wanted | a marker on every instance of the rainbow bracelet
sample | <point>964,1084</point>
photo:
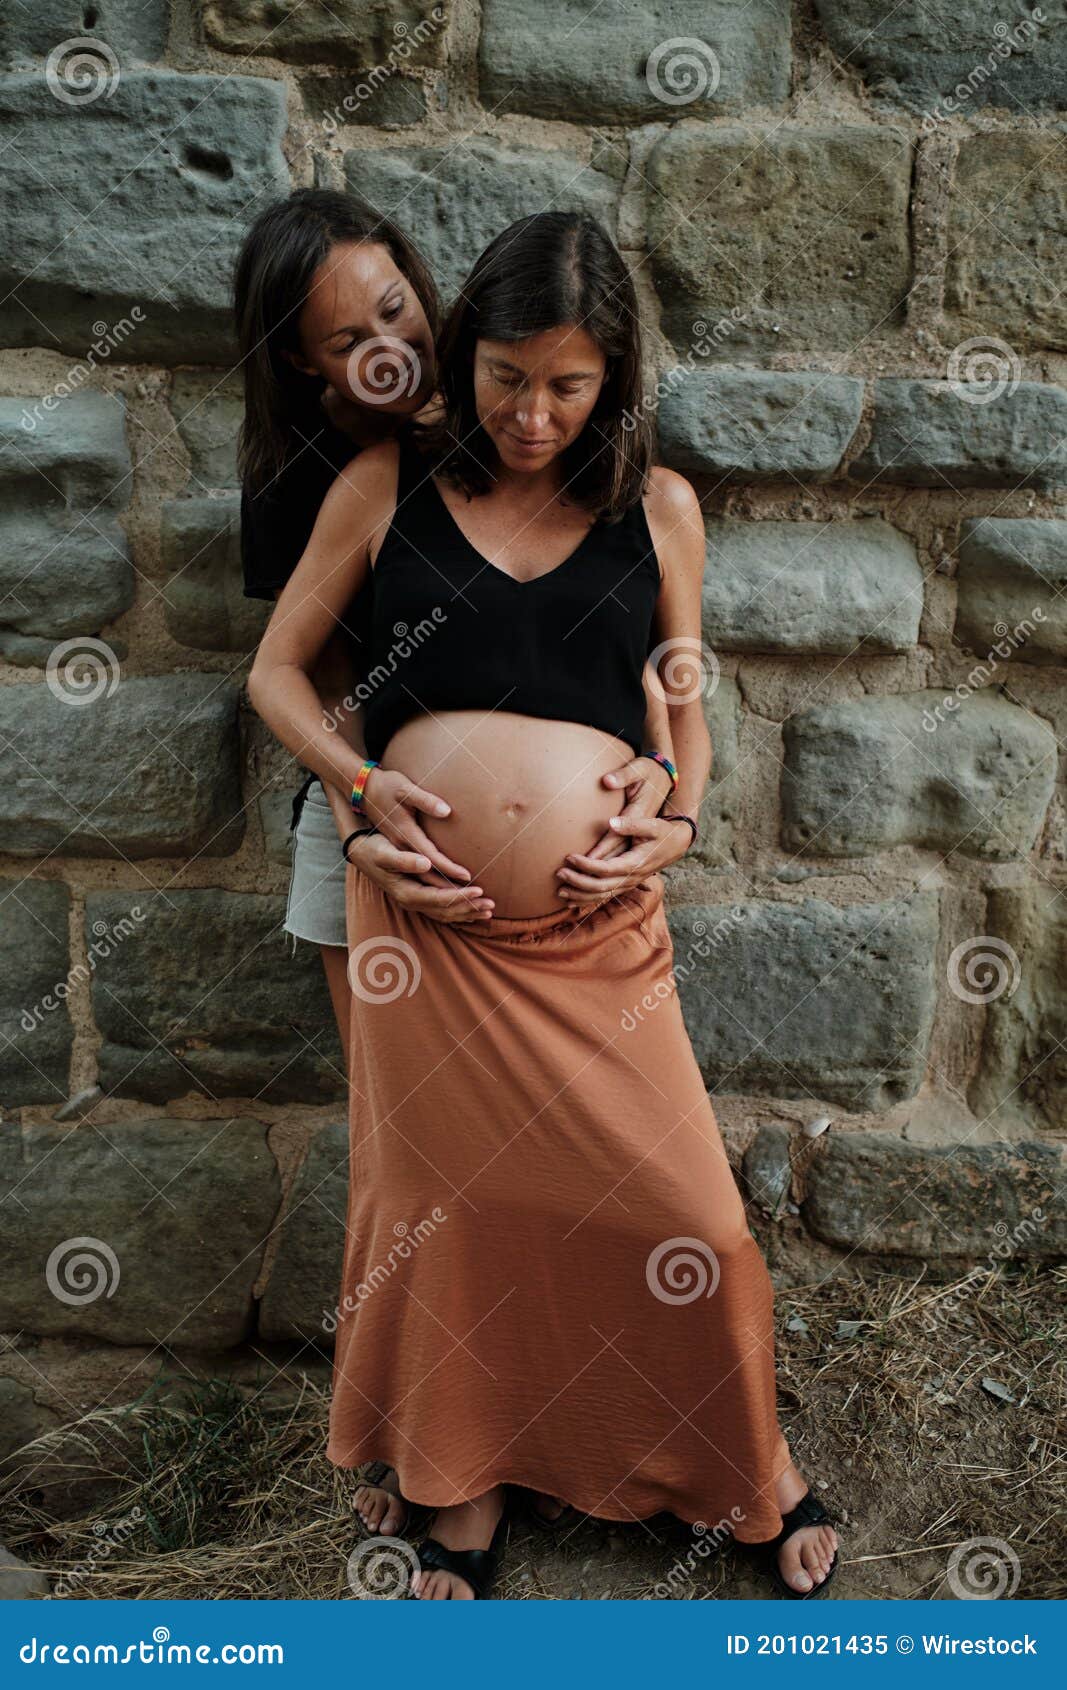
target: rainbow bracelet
<point>360,782</point>
<point>661,757</point>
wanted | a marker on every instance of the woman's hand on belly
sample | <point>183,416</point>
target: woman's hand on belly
<point>393,803</point>
<point>654,843</point>
<point>405,876</point>
<point>647,786</point>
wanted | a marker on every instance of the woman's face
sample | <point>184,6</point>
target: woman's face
<point>534,396</point>
<point>363,328</point>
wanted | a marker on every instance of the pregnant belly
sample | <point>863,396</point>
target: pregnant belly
<point>524,791</point>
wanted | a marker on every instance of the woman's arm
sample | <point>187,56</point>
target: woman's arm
<point>309,612</point>
<point>677,528</point>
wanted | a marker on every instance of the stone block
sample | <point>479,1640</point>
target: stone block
<point>877,1193</point>
<point>838,587</point>
<point>926,769</point>
<point>208,409</point>
<point>36,1036</point>
<point>348,32</point>
<point>137,197</point>
<point>1013,588</point>
<point>940,58</point>
<point>642,63</point>
<point>141,1232</point>
<point>731,213</point>
<point>97,766</point>
<point>207,998</point>
<point>65,567</point>
<point>301,1297</point>
<point>950,435</point>
<point>203,598</point>
<point>758,425</point>
<point>810,1000</point>
<point>1007,237</point>
<point>1022,1077</point>
<point>129,30</point>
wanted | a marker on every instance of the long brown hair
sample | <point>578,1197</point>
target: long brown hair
<point>553,268</point>
<point>272,275</point>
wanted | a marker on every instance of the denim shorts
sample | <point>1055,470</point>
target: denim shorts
<point>316,907</point>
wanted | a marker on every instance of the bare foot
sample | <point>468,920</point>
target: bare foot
<point>381,1507</point>
<point>805,1556</point>
<point>468,1525</point>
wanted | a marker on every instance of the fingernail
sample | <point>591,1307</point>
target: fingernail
<point>444,809</point>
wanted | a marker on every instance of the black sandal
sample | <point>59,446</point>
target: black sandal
<point>809,1511</point>
<point>477,1566</point>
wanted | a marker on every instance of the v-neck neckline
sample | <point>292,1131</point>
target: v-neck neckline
<point>495,567</point>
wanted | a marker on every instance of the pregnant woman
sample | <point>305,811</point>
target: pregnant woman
<point>534,1160</point>
<point>336,314</point>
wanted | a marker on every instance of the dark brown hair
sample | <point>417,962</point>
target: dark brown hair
<point>545,271</point>
<point>279,255</point>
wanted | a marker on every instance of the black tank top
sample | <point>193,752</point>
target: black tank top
<point>451,631</point>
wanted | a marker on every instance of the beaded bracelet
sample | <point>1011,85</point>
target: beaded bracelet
<point>670,816</point>
<point>360,782</point>
<point>358,834</point>
<point>661,758</point>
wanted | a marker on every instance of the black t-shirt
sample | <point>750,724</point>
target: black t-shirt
<point>276,522</point>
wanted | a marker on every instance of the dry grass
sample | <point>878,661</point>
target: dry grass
<point>881,1397</point>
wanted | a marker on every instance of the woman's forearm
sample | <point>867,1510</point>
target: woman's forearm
<point>692,758</point>
<point>657,733</point>
<point>289,703</point>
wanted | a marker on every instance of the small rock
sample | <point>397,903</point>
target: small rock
<point>80,1104</point>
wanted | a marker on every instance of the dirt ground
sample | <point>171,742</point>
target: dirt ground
<point>929,1419</point>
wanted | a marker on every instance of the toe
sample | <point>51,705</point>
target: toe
<point>791,1569</point>
<point>394,1514</point>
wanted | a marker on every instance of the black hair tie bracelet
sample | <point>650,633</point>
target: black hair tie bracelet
<point>358,834</point>
<point>670,816</point>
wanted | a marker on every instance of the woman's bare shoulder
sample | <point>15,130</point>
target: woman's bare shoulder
<point>670,496</point>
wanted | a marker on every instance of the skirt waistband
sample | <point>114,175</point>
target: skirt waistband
<point>564,924</point>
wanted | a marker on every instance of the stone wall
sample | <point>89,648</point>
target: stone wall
<point>848,222</point>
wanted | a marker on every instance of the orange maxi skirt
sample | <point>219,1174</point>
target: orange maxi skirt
<point>548,1276</point>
